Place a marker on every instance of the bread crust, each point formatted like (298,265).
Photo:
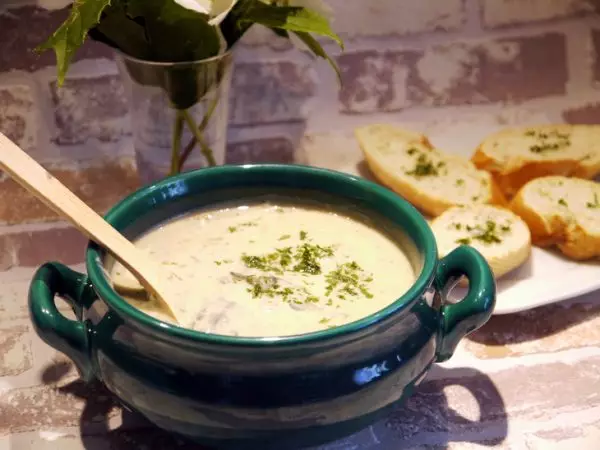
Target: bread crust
(498,197)
(556,230)
(501,263)
(425,202)
(509,182)
(543,233)
(513,174)
(429,205)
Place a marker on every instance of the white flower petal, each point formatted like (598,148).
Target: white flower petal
(220,9)
(201,6)
(221,6)
(54,4)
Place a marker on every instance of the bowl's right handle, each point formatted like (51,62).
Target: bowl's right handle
(70,337)
(466,316)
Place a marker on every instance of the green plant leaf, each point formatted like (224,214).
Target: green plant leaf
(280,32)
(67,39)
(232,27)
(318,50)
(290,18)
(175,33)
(122,32)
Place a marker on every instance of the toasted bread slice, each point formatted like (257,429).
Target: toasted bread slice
(564,212)
(498,234)
(519,155)
(431,180)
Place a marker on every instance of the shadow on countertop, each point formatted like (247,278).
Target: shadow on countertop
(426,420)
(534,324)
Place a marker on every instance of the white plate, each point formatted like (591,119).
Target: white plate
(545,278)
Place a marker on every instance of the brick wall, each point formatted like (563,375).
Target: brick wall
(456,69)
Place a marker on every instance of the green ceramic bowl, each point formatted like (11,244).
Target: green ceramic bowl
(261,393)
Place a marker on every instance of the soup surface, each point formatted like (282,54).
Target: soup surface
(273,266)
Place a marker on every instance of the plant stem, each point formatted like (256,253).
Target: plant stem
(205,120)
(206,150)
(176,142)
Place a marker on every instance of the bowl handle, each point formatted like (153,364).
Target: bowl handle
(464,317)
(70,337)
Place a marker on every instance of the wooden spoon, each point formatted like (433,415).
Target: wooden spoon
(33,177)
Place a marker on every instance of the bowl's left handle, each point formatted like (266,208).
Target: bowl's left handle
(70,337)
(473,311)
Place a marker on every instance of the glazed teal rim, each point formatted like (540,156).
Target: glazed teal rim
(94,255)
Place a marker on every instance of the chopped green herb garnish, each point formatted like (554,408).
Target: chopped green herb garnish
(423,168)
(255,262)
(488,235)
(324,321)
(530,133)
(411,151)
(348,278)
(285,236)
(562,201)
(460,182)
(223,261)
(261,285)
(457,226)
(303,235)
(307,257)
(244,224)
(550,141)
(270,287)
(595,204)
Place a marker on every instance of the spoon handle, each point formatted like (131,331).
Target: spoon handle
(37,180)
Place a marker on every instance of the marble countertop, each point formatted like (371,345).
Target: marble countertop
(528,381)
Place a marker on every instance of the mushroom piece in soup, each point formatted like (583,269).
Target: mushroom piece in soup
(279,266)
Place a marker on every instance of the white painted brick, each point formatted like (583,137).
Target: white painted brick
(17,115)
(353,18)
(259,35)
(497,13)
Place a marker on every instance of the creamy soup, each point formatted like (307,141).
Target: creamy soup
(274,266)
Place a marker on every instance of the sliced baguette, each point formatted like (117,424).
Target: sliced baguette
(498,234)
(431,180)
(517,156)
(564,212)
